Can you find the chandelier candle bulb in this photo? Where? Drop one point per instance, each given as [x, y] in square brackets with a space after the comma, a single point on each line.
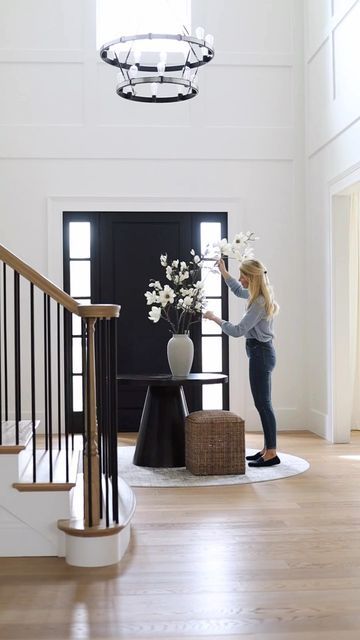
[209, 40]
[200, 33]
[161, 67]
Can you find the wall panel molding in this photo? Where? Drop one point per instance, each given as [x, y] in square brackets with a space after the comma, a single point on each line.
[328, 29]
[27, 56]
[124, 142]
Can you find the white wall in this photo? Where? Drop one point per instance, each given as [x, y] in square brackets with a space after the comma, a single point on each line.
[333, 157]
[66, 140]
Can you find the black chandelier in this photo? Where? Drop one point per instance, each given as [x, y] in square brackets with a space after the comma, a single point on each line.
[143, 78]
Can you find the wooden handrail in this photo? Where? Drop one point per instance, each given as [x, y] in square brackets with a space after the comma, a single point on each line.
[57, 294]
[99, 310]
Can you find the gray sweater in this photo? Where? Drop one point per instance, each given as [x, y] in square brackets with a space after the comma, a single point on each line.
[254, 323]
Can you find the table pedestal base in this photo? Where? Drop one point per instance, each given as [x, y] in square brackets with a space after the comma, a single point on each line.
[161, 439]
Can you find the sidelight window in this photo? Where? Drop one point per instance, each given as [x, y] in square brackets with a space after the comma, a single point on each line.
[80, 289]
[211, 335]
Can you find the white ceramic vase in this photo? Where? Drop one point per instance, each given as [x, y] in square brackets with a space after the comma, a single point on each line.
[180, 353]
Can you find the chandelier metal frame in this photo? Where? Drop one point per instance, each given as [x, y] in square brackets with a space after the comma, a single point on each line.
[202, 52]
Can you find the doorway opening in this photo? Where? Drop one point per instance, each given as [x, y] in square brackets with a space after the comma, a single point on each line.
[345, 309]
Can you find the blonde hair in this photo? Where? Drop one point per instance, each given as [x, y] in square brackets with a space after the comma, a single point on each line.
[259, 285]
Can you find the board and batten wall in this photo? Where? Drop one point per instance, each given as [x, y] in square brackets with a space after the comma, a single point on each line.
[68, 142]
[332, 53]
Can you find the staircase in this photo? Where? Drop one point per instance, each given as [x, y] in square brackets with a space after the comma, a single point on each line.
[60, 495]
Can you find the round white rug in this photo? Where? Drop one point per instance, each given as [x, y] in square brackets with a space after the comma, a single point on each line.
[180, 477]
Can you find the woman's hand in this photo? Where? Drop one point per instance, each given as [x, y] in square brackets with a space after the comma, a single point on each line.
[222, 268]
[210, 315]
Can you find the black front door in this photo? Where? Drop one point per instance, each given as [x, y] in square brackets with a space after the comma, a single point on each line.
[130, 248]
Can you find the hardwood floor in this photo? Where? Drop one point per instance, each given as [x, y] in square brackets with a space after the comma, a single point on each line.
[275, 560]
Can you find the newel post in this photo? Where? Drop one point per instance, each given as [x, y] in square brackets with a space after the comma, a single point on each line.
[92, 470]
[91, 452]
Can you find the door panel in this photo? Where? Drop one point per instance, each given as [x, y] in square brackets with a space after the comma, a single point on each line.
[130, 249]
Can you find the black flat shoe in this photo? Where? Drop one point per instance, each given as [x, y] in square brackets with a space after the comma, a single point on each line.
[265, 463]
[256, 456]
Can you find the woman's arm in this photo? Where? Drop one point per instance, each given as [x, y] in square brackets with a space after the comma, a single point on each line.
[249, 320]
[234, 285]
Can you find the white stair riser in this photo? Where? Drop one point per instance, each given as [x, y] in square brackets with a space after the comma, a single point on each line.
[12, 466]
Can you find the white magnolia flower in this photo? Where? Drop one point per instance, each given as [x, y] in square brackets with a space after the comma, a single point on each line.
[238, 248]
[168, 272]
[155, 314]
[183, 266]
[163, 260]
[196, 259]
[192, 252]
[166, 296]
[223, 243]
[188, 300]
[157, 286]
[240, 238]
[199, 285]
[175, 264]
[183, 276]
[151, 297]
[224, 247]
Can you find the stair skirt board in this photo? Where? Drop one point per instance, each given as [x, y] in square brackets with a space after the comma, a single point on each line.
[28, 524]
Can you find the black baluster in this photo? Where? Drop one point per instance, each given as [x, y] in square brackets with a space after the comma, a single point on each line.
[6, 394]
[46, 374]
[58, 378]
[50, 392]
[32, 376]
[17, 355]
[113, 418]
[67, 378]
[1, 405]
[99, 397]
[107, 420]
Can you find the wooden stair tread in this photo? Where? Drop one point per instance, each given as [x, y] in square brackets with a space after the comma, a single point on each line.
[8, 444]
[58, 482]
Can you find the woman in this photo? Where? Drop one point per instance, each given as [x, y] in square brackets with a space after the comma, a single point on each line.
[257, 327]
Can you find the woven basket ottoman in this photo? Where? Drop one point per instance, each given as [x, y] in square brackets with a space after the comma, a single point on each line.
[214, 443]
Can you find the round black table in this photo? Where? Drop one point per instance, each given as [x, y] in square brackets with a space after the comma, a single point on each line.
[161, 438]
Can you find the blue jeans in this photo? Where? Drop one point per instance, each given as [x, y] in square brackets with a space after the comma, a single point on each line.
[262, 360]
